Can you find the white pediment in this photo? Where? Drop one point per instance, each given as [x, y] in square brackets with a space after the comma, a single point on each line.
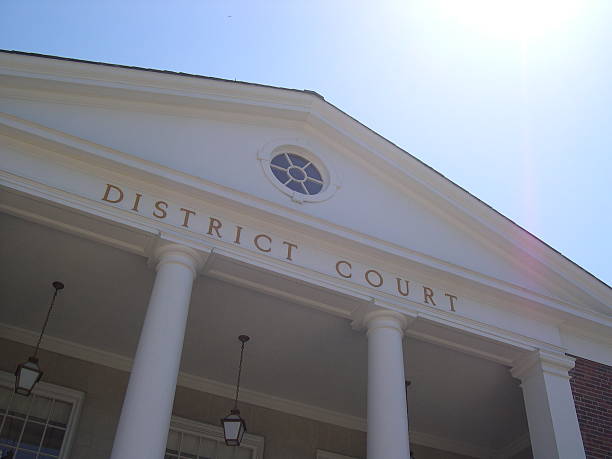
[213, 134]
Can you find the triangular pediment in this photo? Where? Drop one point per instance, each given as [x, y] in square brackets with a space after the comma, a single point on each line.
[222, 136]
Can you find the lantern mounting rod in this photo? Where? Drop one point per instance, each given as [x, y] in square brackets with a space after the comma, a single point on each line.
[243, 339]
[57, 285]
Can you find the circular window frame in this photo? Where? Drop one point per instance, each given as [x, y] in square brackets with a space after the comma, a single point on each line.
[272, 149]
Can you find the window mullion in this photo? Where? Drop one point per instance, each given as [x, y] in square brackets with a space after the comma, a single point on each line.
[25, 423]
[51, 406]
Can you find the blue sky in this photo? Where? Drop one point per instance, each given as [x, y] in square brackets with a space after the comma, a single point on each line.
[511, 101]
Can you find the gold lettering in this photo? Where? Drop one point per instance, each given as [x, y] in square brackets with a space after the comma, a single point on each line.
[136, 202]
[264, 236]
[399, 286]
[428, 295]
[290, 247]
[367, 278]
[158, 206]
[107, 194]
[346, 276]
[452, 299]
[214, 225]
[188, 213]
[238, 231]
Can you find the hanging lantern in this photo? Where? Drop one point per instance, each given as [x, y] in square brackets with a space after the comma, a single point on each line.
[28, 373]
[26, 376]
[234, 426]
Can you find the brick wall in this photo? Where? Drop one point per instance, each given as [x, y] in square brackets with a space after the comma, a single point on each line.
[592, 388]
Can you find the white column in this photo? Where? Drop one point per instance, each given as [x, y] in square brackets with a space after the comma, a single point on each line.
[145, 417]
[551, 414]
[387, 418]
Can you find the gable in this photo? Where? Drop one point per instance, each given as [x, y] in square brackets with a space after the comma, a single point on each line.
[385, 200]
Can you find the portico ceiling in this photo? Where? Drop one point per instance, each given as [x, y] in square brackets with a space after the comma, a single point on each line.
[297, 353]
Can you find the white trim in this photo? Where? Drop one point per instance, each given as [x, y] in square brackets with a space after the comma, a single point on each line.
[253, 442]
[74, 397]
[329, 455]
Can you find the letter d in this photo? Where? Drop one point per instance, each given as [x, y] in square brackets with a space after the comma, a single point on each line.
[107, 193]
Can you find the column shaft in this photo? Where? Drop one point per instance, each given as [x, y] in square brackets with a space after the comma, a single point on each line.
[387, 417]
[147, 408]
[551, 414]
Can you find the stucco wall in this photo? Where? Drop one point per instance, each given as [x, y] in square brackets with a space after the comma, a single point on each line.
[286, 436]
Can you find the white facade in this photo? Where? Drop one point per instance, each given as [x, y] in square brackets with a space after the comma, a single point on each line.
[359, 281]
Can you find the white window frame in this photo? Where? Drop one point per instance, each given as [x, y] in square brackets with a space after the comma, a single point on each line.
[74, 397]
[253, 442]
[329, 455]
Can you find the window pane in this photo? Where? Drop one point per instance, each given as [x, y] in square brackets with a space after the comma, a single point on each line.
[297, 160]
[313, 187]
[40, 408]
[189, 446]
[207, 448]
[313, 172]
[6, 452]
[280, 175]
[173, 442]
[60, 413]
[53, 441]
[5, 397]
[25, 455]
[243, 453]
[281, 160]
[11, 431]
[32, 435]
[19, 405]
[296, 186]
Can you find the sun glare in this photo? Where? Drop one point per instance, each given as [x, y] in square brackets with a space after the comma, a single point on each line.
[516, 20]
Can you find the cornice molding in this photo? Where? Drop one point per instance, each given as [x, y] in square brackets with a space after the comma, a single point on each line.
[359, 293]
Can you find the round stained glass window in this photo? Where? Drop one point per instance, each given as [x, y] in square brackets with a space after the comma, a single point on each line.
[297, 173]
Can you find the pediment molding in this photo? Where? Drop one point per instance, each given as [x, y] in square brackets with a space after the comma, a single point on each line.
[320, 118]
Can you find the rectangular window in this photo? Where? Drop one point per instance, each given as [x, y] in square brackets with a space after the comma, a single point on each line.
[38, 426]
[194, 440]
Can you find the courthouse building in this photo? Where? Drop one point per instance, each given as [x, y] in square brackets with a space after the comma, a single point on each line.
[183, 211]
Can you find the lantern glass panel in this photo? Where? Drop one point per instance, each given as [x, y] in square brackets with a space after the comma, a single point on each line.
[233, 429]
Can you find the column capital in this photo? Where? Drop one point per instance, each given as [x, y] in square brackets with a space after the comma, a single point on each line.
[382, 318]
[556, 364]
[170, 252]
